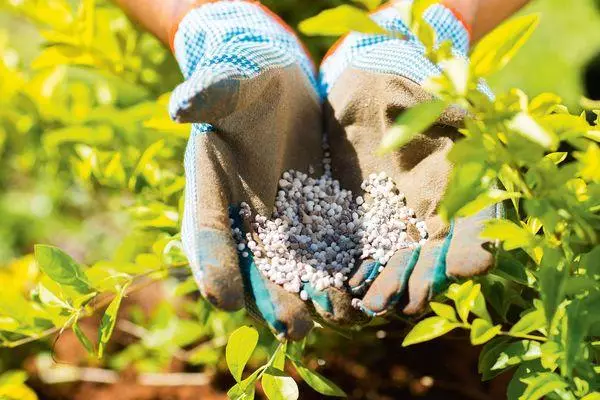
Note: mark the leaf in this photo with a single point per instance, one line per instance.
(13, 377)
(49, 299)
(557, 157)
(83, 339)
(107, 324)
(275, 383)
(485, 200)
(511, 234)
(482, 331)
(443, 310)
(541, 384)
(488, 356)
(529, 322)
(479, 307)
(517, 352)
(516, 387)
(339, 21)
(464, 186)
(245, 389)
(591, 396)
(544, 103)
(61, 268)
(410, 123)
(526, 126)
(51, 139)
(277, 387)
(429, 328)
(510, 268)
(552, 278)
(240, 347)
(495, 50)
(465, 298)
(418, 10)
(318, 382)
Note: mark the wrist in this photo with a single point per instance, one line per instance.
(178, 10)
(464, 10)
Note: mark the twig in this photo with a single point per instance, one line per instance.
(98, 306)
(182, 355)
(53, 373)
(174, 379)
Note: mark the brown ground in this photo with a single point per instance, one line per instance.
(374, 367)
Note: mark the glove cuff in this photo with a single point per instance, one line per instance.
(384, 53)
(208, 24)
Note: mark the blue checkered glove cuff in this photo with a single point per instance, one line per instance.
(222, 42)
(402, 56)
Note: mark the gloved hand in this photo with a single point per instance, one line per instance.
(368, 81)
(250, 91)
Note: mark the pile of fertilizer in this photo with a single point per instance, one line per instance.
(318, 231)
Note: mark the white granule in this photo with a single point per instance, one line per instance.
(318, 230)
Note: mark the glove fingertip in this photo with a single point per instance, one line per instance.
(205, 97)
(215, 266)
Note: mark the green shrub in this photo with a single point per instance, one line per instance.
(88, 115)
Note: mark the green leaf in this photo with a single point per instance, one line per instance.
(480, 308)
(444, 311)
(410, 123)
(557, 157)
(278, 386)
(240, 347)
(511, 234)
(339, 21)
(468, 298)
(417, 10)
(526, 126)
(591, 396)
(510, 268)
(482, 331)
(61, 268)
(552, 352)
(516, 387)
(83, 339)
(496, 49)
(541, 384)
(244, 390)
(488, 356)
(544, 104)
(485, 200)
(517, 352)
(318, 382)
(77, 134)
(529, 322)
(107, 324)
(552, 278)
(13, 377)
(275, 383)
(429, 328)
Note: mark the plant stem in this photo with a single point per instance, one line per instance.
(524, 336)
(101, 304)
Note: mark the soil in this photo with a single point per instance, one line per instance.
(373, 366)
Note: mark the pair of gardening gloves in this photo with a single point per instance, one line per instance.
(258, 108)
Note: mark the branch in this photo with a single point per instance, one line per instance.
(104, 302)
(53, 373)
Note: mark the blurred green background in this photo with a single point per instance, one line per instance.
(71, 134)
(555, 59)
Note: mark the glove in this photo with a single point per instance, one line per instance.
(368, 81)
(250, 92)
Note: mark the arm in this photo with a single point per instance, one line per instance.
(159, 17)
(484, 15)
